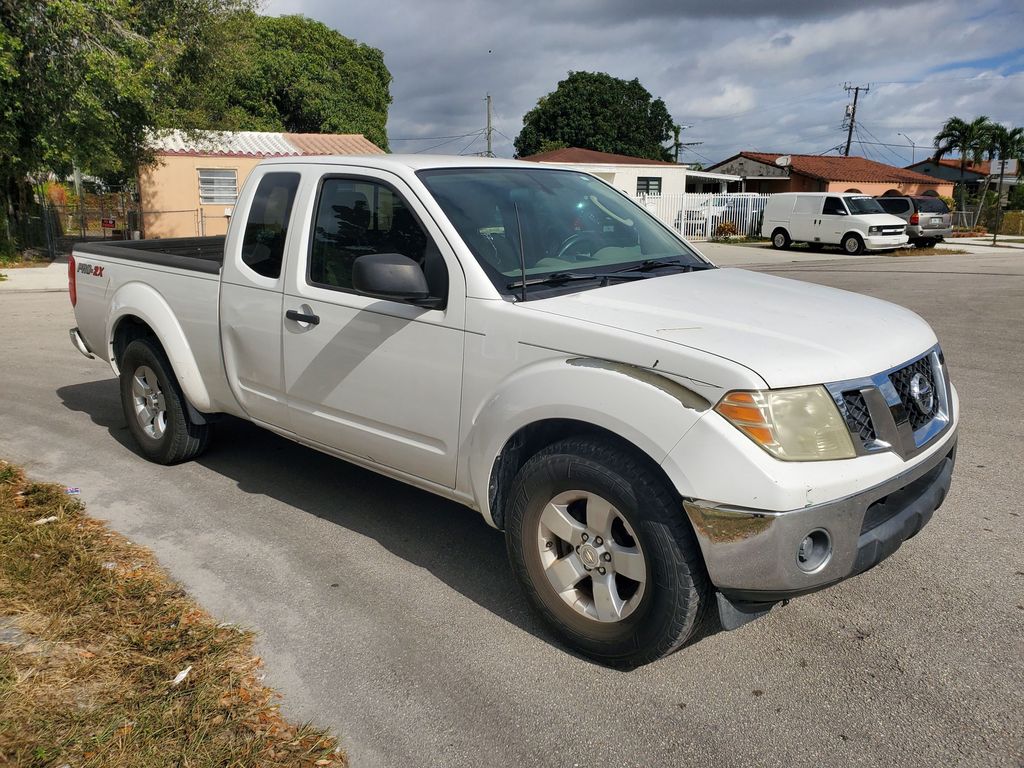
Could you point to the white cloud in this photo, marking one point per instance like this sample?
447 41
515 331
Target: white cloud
747 75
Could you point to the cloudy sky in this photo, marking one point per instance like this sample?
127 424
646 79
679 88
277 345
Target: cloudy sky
744 74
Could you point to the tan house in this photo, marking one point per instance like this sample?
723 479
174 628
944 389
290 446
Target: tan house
770 172
191 189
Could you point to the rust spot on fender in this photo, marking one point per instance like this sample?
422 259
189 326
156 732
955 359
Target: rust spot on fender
686 397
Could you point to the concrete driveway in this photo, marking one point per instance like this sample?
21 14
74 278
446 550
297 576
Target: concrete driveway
390 615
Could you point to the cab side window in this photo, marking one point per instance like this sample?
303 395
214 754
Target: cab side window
267 225
833 207
355 218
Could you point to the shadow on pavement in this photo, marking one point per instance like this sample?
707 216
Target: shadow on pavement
452 542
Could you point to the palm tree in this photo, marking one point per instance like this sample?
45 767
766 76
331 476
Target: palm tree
969 139
1008 144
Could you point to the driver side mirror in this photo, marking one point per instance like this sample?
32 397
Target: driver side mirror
392 276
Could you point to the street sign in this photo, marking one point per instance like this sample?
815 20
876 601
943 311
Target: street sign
108 223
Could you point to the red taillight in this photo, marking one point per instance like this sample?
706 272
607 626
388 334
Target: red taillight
72 288
915 219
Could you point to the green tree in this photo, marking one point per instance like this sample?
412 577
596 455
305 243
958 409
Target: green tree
285 73
969 139
81 82
596 111
1006 144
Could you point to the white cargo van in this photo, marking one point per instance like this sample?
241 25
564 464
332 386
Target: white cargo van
854 222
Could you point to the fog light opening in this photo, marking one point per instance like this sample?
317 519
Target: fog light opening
814 551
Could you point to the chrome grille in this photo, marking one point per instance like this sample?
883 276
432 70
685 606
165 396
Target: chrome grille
858 418
882 413
903 380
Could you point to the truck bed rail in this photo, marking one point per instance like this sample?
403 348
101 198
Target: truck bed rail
200 254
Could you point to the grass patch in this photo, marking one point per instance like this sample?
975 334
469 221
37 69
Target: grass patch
924 252
93 635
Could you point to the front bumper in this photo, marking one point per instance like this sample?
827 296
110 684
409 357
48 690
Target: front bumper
752 555
885 242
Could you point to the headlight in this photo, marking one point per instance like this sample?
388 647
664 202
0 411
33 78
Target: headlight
874 230
801 424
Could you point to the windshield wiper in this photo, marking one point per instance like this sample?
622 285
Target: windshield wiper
652 264
557 278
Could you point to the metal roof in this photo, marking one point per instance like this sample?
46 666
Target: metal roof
259 143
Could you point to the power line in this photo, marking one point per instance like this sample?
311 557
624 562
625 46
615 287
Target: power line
864 149
473 141
899 158
455 138
432 138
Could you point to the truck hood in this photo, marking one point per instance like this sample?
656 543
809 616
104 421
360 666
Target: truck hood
789 332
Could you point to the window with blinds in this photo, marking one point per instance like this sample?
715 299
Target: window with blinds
218 186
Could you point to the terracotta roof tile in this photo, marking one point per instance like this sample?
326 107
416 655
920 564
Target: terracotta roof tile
333 144
833 168
589 157
260 144
954 162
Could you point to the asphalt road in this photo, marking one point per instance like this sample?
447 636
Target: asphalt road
390 615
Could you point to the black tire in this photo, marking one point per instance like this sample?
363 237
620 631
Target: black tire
674 597
780 239
852 244
179 439
926 242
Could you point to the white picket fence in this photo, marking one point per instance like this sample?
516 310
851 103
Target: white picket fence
705 216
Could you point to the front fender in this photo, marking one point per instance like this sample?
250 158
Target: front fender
649 410
144 302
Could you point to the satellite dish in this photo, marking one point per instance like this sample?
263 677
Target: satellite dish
784 161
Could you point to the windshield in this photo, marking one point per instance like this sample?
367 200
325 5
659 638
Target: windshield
863 205
568 221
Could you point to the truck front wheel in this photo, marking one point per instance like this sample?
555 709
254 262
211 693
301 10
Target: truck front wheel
154 406
602 548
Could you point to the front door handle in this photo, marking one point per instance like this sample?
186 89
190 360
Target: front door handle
300 317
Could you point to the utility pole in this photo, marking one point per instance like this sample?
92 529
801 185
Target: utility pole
676 144
851 113
490 128
913 147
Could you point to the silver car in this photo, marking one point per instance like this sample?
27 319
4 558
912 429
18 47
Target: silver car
928 218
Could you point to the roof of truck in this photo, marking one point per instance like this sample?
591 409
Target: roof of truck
407 162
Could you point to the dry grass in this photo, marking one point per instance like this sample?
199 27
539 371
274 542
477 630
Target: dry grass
924 252
92 636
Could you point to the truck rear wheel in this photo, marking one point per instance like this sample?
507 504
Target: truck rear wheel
154 406
604 552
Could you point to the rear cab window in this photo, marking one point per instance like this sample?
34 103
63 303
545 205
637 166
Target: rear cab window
266 227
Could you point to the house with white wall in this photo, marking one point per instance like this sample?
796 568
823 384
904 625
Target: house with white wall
636 176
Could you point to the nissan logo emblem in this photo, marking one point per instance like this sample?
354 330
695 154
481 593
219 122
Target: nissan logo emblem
921 393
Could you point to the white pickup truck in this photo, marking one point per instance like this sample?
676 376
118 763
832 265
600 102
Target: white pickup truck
656 436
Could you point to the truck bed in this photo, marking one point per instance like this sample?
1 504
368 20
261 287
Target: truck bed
200 254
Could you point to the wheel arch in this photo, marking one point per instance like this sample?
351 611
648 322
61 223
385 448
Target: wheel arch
139 311
656 413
